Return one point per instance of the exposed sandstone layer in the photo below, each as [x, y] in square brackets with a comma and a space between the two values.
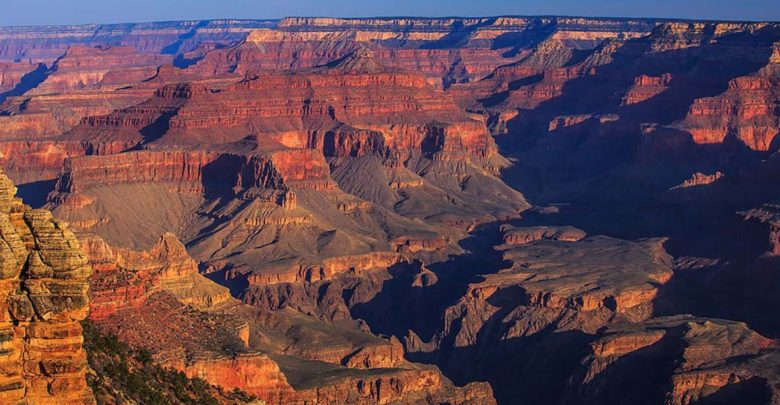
[31, 161]
[453, 50]
[44, 290]
[746, 112]
[124, 278]
[699, 179]
[523, 235]
[646, 87]
[107, 68]
[472, 30]
[48, 116]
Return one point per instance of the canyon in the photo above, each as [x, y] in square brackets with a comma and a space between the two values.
[315, 210]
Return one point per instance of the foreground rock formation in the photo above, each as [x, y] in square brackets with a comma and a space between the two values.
[44, 296]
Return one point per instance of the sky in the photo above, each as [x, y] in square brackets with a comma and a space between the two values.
[40, 12]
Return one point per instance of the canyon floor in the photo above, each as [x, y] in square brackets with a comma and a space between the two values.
[511, 210]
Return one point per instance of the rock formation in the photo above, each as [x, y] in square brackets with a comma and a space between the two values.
[745, 112]
[683, 360]
[555, 294]
[521, 236]
[44, 297]
[124, 278]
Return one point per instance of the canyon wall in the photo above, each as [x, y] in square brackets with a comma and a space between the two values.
[44, 292]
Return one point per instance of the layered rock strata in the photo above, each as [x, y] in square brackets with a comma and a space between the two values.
[44, 293]
[683, 360]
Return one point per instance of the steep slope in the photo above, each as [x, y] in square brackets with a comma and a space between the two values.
[125, 375]
[747, 112]
[44, 296]
[82, 82]
[677, 360]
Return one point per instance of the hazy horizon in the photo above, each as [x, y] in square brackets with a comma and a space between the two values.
[53, 12]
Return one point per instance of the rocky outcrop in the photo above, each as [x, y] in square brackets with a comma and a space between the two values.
[12, 74]
[699, 179]
[329, 268]
[44, 293]
[684, 360]
[746, 112]
[570, 276]
[523, 235]
[29, 161]
[126, 279]
[190, 171]
[544, 307]
[366, 295]
[646, 87]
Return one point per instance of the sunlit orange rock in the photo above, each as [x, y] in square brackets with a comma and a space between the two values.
[44, 292]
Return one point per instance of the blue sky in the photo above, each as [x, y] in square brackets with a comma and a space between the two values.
[36, 12]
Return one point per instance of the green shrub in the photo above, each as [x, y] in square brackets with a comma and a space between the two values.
[125, 372]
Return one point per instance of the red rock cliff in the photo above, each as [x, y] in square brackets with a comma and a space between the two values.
[44, 296]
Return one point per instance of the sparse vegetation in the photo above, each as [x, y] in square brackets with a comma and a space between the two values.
[122, 374]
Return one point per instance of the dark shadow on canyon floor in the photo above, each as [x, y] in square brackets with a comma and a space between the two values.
[425, 306]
